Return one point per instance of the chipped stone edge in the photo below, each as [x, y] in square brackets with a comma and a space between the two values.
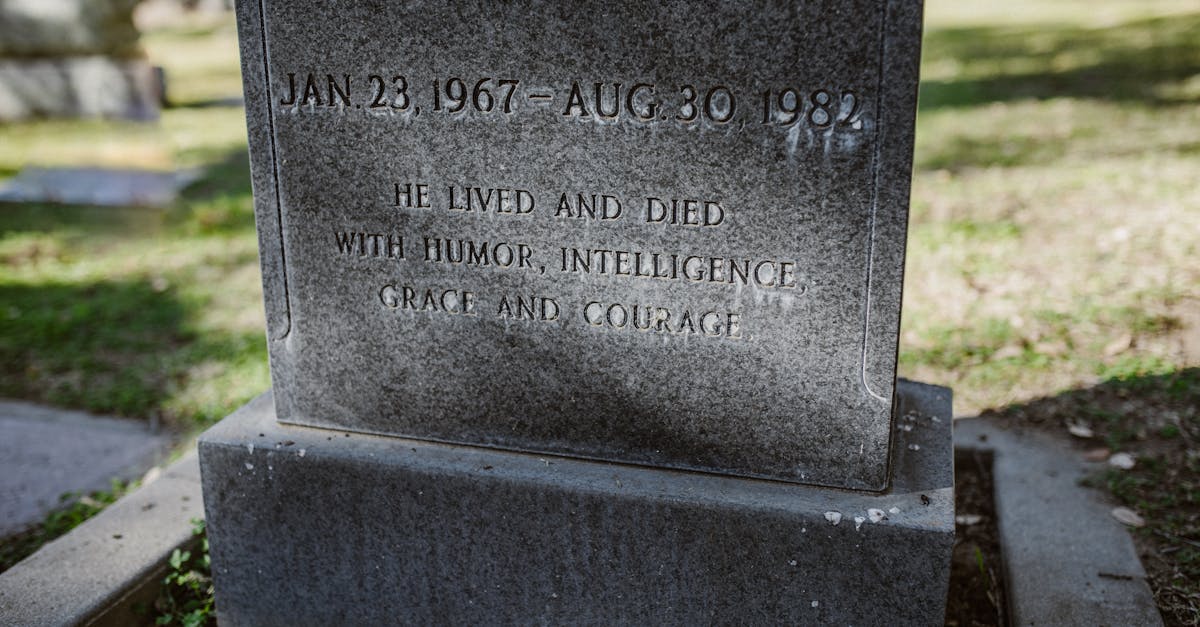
[95, 574]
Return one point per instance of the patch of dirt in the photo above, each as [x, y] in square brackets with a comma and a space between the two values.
[977, 595]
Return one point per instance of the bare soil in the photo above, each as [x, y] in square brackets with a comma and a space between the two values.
[977, 595]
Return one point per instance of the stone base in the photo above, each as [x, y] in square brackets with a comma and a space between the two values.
[78, 87]
[311, 526]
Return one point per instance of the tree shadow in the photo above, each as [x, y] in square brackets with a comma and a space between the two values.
[1156, 419]
[220, 201]
[121, 347]
[1147, 61]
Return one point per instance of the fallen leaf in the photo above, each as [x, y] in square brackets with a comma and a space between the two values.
[151, 475]
[1080, 430]
[1008, 352]
[1097, 454]
[1128, 517]
[1118, 346]
[1124, 461]
[1051, 349]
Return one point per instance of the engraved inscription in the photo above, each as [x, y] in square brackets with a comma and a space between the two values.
[611, 263]
[363, 244]
[819, 107]
[433, 299]
[766, 273]
[598, 315]
[604, 237]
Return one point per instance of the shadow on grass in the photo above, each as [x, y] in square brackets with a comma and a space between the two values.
[47, 217]
[119, 347]
[220, 201]
[1155, 418]
[1145, 61]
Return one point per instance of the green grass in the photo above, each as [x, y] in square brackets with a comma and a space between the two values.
[140, 312]
[186, 597]
[1053, 230]
[73, 510]
[1054, 237]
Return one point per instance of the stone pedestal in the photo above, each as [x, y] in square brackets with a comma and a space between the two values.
[315, 526]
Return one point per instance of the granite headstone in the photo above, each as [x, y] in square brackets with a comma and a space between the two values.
[529, 266]
[637, 232]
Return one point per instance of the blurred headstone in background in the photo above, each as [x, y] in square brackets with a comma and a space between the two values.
[73, 58]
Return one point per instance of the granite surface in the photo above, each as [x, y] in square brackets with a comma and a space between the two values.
[317, 527]
[615, 230]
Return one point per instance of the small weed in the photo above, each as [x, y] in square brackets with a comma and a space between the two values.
[186, 598]
[75, 509]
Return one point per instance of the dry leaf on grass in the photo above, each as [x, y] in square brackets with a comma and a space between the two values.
[1008, 352]
[1128, 517]
[1124, 461]
[1118, 346]
[1080, 430]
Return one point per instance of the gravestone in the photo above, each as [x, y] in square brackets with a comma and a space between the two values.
[601, 304]
[73, 58]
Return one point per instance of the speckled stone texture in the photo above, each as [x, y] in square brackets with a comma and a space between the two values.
[318, 527]
[769, 340]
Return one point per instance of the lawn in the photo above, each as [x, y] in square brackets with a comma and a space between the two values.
[140, 312]
[1055, 213]
[1052, 261]
[1052, 274]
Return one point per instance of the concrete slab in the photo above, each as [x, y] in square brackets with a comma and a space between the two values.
[106, 187]
[1067, 561]
[45, 452]
[96, 573]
